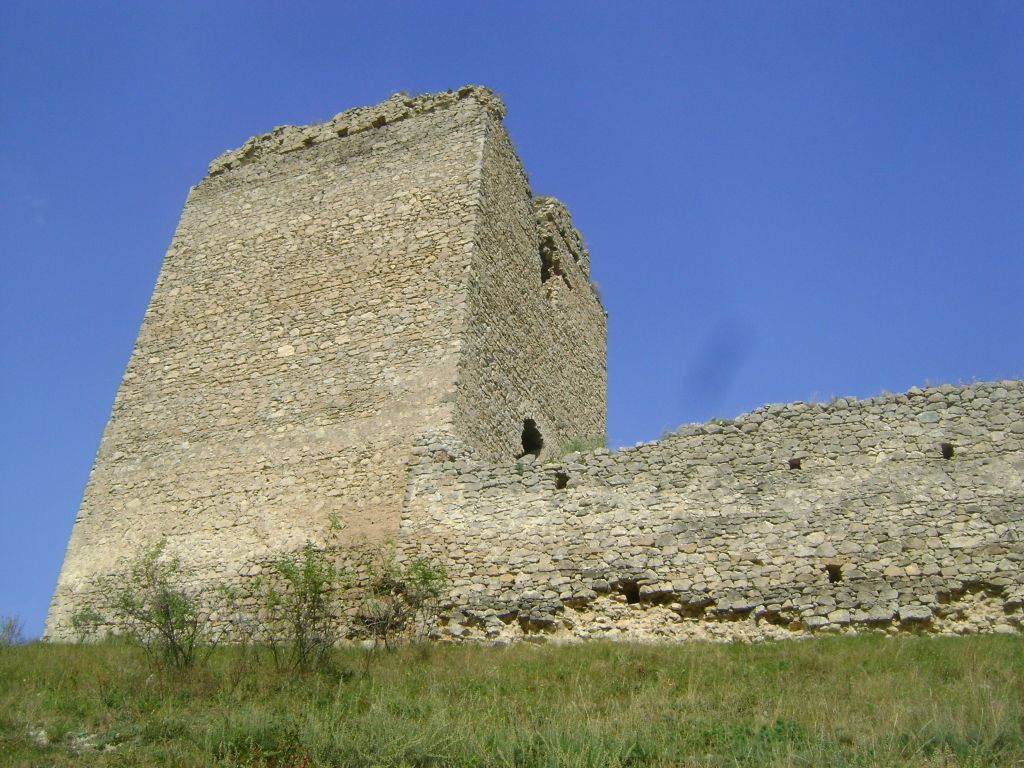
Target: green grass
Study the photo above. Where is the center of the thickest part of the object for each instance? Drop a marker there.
(863, 701)
(582, 444)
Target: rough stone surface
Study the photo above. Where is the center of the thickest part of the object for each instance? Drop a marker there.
(357, 320)
(332, 292)
(709, 533)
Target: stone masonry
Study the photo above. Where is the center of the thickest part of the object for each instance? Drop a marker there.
(901, 512)
(374, 320)
(332, 292)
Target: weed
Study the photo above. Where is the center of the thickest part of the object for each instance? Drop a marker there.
(583, 444)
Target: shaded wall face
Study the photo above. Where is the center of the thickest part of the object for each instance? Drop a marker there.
(302, 331)
(899, 512)
(536, 335)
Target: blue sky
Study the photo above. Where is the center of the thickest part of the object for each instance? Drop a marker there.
(783, 201)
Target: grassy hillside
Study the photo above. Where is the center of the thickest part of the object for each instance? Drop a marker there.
(864, 701)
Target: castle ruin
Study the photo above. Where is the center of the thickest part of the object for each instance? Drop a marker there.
(373, 320)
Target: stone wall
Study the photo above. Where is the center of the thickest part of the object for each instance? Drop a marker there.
(536, 336)
(313, 315)
(358, 320)
(899, 512)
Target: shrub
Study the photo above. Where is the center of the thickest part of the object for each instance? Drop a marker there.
(401, 601)
(86, 623)
(10, 630)
(296, 606)
(149, 603)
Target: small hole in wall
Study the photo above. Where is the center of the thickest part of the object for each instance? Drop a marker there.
(796, 463)
(947, 451)
(561, 480)
(532, 440)
(631, 590)
(835, 572)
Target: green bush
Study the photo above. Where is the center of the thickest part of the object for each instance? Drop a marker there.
(401, 600)
(86, 623)
(292, 610)
(296, 606)
(149, 603)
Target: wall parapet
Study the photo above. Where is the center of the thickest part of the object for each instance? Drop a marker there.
(554, 223)
(400, 106)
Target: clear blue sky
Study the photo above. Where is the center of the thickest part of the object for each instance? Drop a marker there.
(783, 201)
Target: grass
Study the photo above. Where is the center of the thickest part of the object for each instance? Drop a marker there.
(582, 444)
(860, 701)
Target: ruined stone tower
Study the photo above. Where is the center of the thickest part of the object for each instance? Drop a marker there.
(332, 293)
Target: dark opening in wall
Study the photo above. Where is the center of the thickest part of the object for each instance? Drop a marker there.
(631, 590)
(835, 572)
(532, 440)
(796, 463)
(947, 451)
(549, 264)
(561, 480)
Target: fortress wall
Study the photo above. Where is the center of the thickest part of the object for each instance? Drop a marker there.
(534, 347)
(302, 331)
(354, 319)
(708, 533)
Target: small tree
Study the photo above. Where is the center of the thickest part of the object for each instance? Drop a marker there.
(149, 603)
(296, 606)
(401, 601)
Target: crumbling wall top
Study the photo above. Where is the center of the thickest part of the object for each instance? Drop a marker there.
(400, 106)
(553, 219)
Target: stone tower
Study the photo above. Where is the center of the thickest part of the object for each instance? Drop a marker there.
(332, 293)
